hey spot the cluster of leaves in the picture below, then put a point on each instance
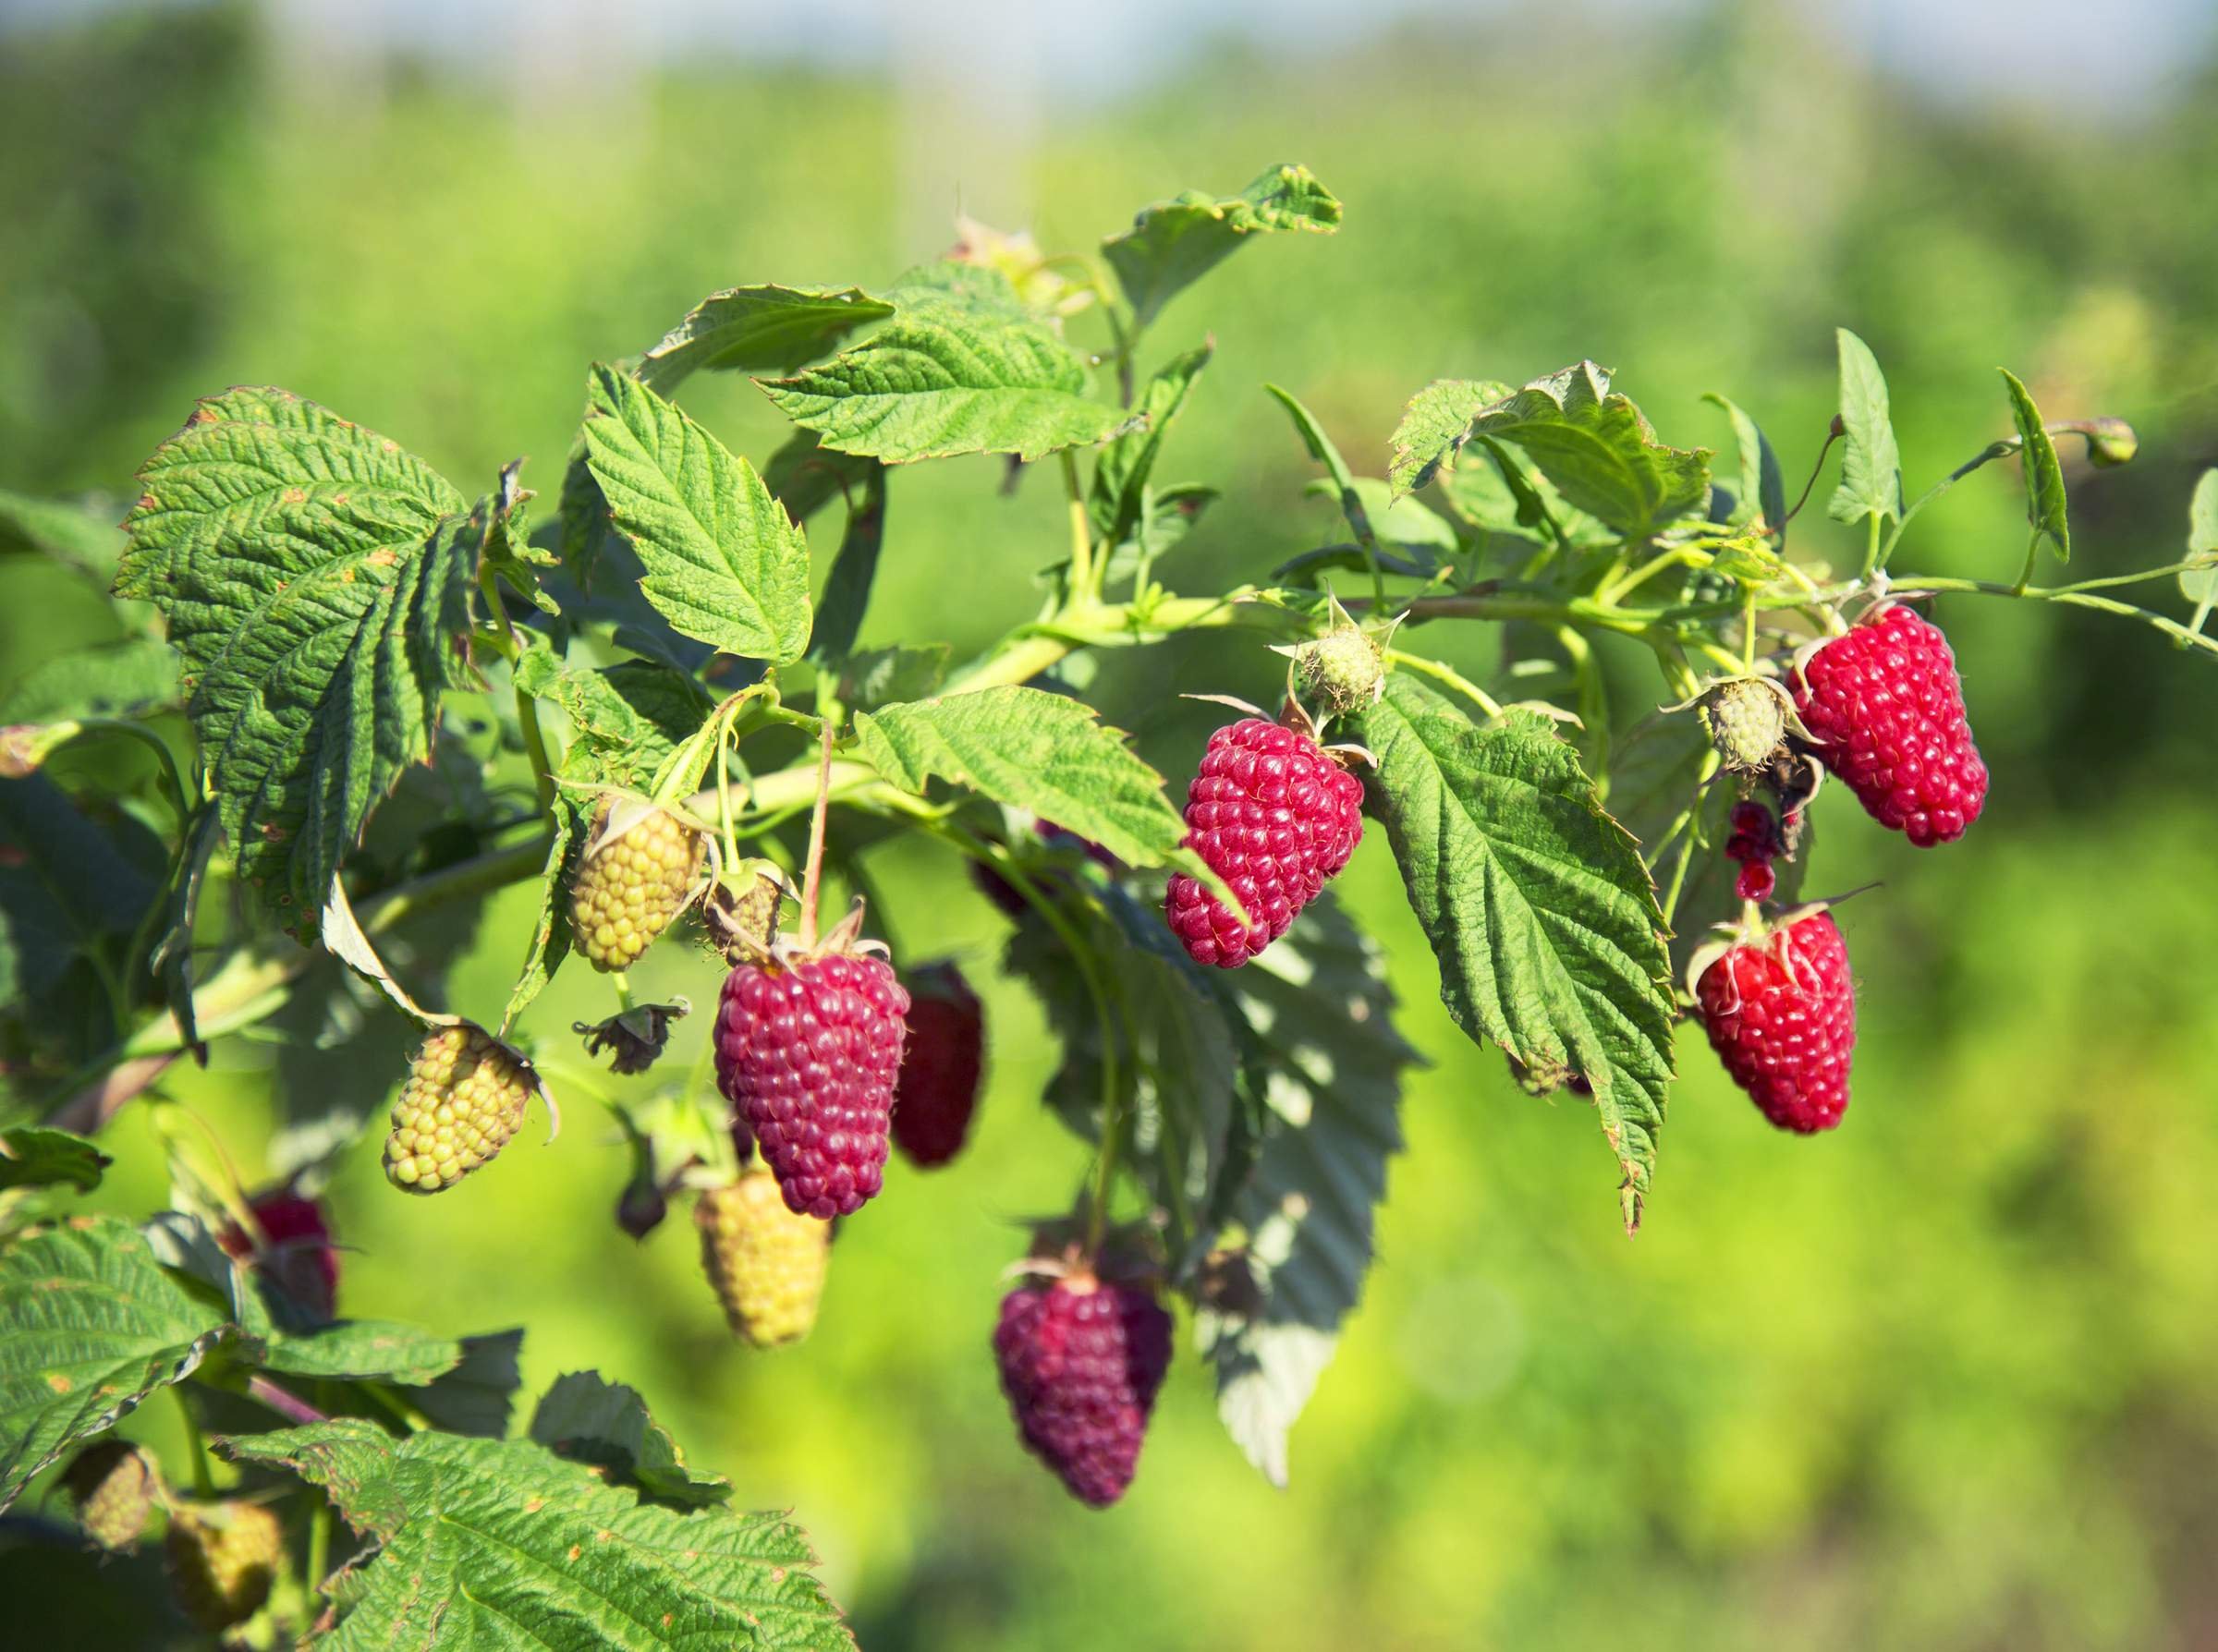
(329, 646)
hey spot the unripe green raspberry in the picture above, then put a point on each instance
(112, 1483)
(1746, 719)
(1345, 668)
(465, 1097)
(632, 883)
(2111, 442)
(766, 1263)
(223, 1558)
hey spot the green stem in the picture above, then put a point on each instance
(319, 1546)
(196, 1447)
(1994, 450)
(2070, 596)
(2025, 577)
(1448, 675)
(1085, 583)
(1694, 835)
(1872, 525)
(173, 783)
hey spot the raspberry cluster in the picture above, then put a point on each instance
(1886, 710)
(807, 1053)
(223, 1558)
(465, 1097)
(941, 1062)
(1276, 817)
(629, 887)
(1082, 1360)
(1757, 841)
(1780, 1010)
(766, 1264)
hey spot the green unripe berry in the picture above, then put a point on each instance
(465, 1097)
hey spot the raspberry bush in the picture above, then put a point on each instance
(367, 701)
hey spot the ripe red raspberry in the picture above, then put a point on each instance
(940, 1065)
(1886, 711)
(1756, 882)
(1273, 816)
(807, 1051)
(1781, 1013)
(297, 1255)
(1082, 1360)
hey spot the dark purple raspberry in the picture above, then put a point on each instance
(294, 1249)
(1273, 816)
(1082, 1360)
(807, 1053)
(1756, 882)
(1886, 711)
(940, 1065)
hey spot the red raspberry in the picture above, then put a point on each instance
(807, 1052)
(1082, 1360)
(1886, 710)
(298, 1258)
(941, 1064)
(1756, 882)
(1274, 817)
(1781, 1013)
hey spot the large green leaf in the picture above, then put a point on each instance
(31, 1156)
(1320, 1050)
(2046, 508)
(758, 330)
(590, 1419)
(1536, 903)
(316, 580)
(1121, 475)
(960, 369)
(1598, 450)
(361, 1350)
(627, 720)
(132, 679)
(1870, 482)
(724, 564)
(1032, 751)
(1435, 426)
(90, 1325)
(1501, 491)
(501, 1544)
(1175, 242)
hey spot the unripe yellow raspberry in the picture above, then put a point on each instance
(465, 1097)
(766, 1263)
(633, 881)
(223, 1558)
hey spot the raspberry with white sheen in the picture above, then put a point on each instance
(1082, 1361)
(465, 1097)
(1886, 710)
(765, 1263)
(1276, 817)
(1781, 1013)
(807, 1052)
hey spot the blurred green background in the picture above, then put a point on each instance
(1943, 1379)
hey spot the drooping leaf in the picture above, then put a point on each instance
(1173, 243)
(67, 889)
(477, 1395)
(724, 564)
(807, 476)
(550, 940)
(172, 960)
(879, 677)
(1536, 903)
(1762, 485)
(1871, 465)
(1167, 515)
(505, 544)
(1122, 473)
(1032, 751)
(316, 580)
(32, 1156)
(90, 1325)
(959, 369)
(758, 330)
(132, 679)
(1435, 426)
(854, 569)
(485, 1543)
(590, 1419)
(1598, 450)
(2199, 586)
(1320, 1049)
(2046, 506)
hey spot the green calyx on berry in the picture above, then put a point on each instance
(1342, 670)
(1748, 720)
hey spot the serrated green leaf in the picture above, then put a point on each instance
(590, 1419)
(90, 1325)
(758, 330)
(1435, 424)
(879, 677)
(477, 1395)
(2199, 586)
(724, 564)
(83, 541)
(2046, 509)
(807, 476)
(484, 1543)
(853, 570)
(627, 720)
(1122, 473)
(1032, 751)
(950, 374)
(1871, 465)
(1598, 450)
(1536, 903)
(316, 580)
(66, 891)
(1761, 483)
(361, 1351)
(1173, 243)
(1502, 492)
(1321, 1048)
(505, 550)
(133, 678)
(32, 1156)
